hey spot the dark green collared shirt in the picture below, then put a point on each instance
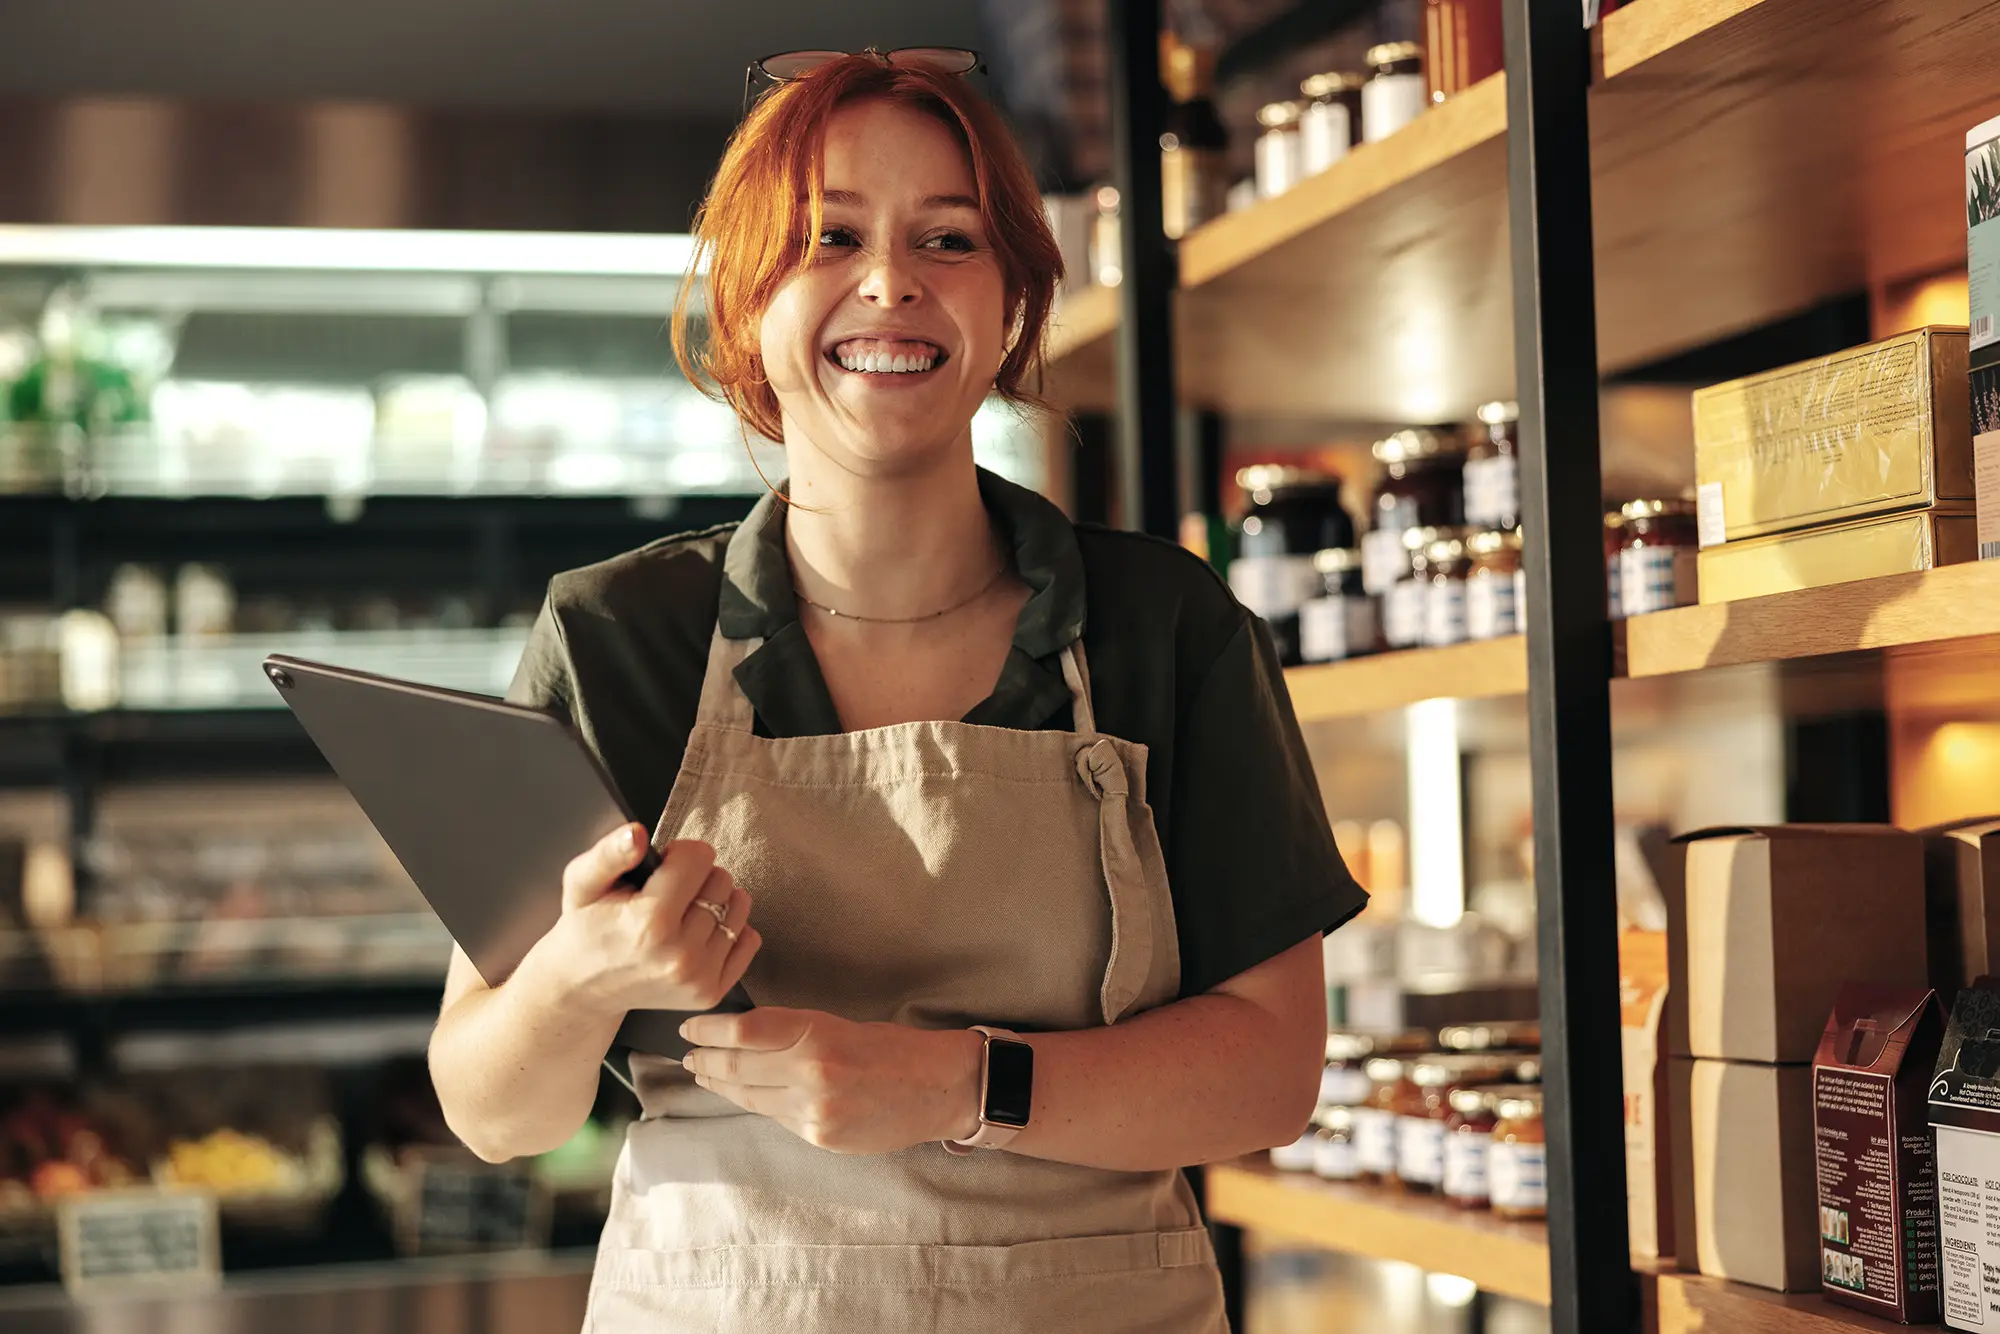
(1175, 663)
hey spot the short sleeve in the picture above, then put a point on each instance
(1250, 854)
(543, 679)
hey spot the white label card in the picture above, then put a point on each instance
(122, 1241)
(1711, 527)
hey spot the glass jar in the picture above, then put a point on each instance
(1463, 44)
(1423, 481)
(1614, 543)
(1340, 622)
(1492, 584)
(1513, 1035)
(1446, 566)
(1294, 514)
(1331, 121)
(1424, 1110)
(1280, 149)
(1517, 1163)
(1493, 468)
(1375, 1120)
(1344, 1081)
(1396, 92)
(1656, 559)
(1468, 1135)
(1406, 601)
(1334, 1157)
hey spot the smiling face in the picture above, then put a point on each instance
(883, 346)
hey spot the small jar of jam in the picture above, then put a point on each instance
(1492, 579)
(1614, 545)
(1331, 122)
(1333, 1147)
(1425, 1110)
(1468, 1134)
(1446, 567)
(1493, 468)
(1517, 1163)
(1375, 1120)
(1656, 558)
(1294, 514)
(1340, 623)
(1280, 153)
(1423, 481)
(1396, 92)
(1344, 1081)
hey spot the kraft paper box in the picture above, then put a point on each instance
(1962, 902)
(1867, 549)
(1878, 1228)
(1965, 1125)
(1772, 920)
(1868, 431)
(1744, 1185)
(1642, 998)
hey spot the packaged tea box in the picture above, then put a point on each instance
(1878, 1228)
(1965, 1125)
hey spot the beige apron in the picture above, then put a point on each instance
(937, 874)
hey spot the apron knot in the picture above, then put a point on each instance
(1101, 770)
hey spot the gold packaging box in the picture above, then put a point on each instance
(1919, 540)
(1868, 431)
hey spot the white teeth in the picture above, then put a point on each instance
(899, 364)
(884, 363)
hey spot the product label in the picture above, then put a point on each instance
(1405, 612)
(1969, 1223)
(1654, 579)
(1335, 1159)
(1490, 601)
(1982, 240)
(1864, 1230)
(1711, 524)
(1391, 101)
(1331, 629)
(1444, 613)
(1986, 456)
(1420, 1150)
(1465, 1154)
(1341, 1086)
(1493, 492)
(1384, 560)
(1375, 1141)
(1324, 135)
(1273, 586)
(1517, 1175)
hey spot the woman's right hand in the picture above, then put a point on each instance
(659, 947)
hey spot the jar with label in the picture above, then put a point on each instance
(1396, 92)
(1444, 603)
(1331, 121)
(1656, 558)
(1406, 601)
(1517, 1163)
(1294, 514)
(1492, 584)
(1375, 1120)
(1614, 542)
(1493, 468)
(1423, 480)
(1424, 1110)
(1334, 1157)
(1340, 622)
(1344, 1081)
(1463, 44)
(1280, 149)
(1468, 1135)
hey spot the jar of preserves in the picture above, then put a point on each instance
(1423, 481)
(1614, 542)
(1492, 584)
(1656, 558)
(1294, 514)
(1446, 566)
(1493, 468)
(1468, 1134)
(1396, 92)
(1406, 601)
(1462, 44)
(1344, 1081)
(1517, 1163)
(1340, 622)
(1331, 121)
(1280, 150)
(1333, 1146)
(1375, 1120)
(1425, 1108)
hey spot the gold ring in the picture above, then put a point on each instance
(715, 910)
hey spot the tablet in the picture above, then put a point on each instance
(484, 803)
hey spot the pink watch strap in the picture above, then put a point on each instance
(990, 1135)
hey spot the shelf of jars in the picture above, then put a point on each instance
(1750, 162)
(1381, 1222)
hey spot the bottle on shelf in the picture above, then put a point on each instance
(1396, 92)
(1331, 122)
(1194, 149)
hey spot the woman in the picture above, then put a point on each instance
(1039, 866)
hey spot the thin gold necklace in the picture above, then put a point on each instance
(960, 605)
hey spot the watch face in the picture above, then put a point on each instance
(1010, 1082)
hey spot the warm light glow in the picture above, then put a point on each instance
(373, 251)
(1450, 1289)
(1437, 812)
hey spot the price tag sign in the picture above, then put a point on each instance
(139, 1240)
(461, 1206)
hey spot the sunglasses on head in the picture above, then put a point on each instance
(789, 65)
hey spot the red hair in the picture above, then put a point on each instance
(760, 223)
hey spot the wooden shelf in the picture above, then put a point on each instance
(1511, 1259)
(1486, 669)
(1751, 158)
(1694, 1304)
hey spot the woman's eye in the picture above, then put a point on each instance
(837, 237)
(957, 242)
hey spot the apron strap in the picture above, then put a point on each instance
(723, 704)
(1102, 770)
(1076, 674)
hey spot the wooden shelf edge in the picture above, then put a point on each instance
(1631, 36)
(1483, 669)
(1511, 1259)
(1697, 1304)
(1084, 315)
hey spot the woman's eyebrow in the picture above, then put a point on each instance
(849, 199)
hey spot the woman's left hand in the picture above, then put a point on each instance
(844, 1086)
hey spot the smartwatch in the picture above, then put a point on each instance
(1006, 1091)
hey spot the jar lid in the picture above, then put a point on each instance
(1468, 1102)
(1414, 443)
(1384, 1069)
(1107, 198)
(1653, 509)
(1393, 53)
(1262, 479)
(1499, 414)
(1336, 560)
(1517, 1104)
(1614, 519)
(1444, 549)
(1332, 84)
(1489, 540)
(1278, 115)
(1422, 539)
(1525, 1034)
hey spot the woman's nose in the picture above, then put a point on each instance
(890, 282)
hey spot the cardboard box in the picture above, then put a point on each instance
(1642, 997)
(1982, 234)
(1962, 903)
(1770, 923)
(1985, 407)
(1878, 1229)
(1868, 431)
(1965, 1123)
(1744, 1186)
(1919, 540)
